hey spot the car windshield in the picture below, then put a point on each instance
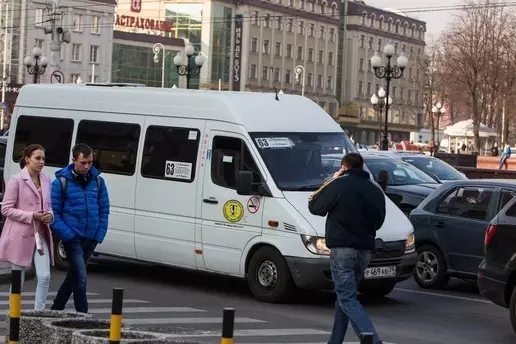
(302, 161)
(435, 167)
(400, 172)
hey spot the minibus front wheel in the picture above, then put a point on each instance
(268, 276)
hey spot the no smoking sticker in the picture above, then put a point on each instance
(253, 204)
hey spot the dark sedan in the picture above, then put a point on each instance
(434, 167)
(449, 228)
(407, 185)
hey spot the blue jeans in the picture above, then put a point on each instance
(78, 253)
(347, 268)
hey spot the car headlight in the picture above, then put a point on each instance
(410, 244)
(316, 245)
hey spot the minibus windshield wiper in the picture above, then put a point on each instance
(302, 188)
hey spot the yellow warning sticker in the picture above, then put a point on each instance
(233, 210)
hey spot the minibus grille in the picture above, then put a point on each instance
(390, 249)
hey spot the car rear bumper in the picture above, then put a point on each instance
(491, 287)
(315, 274)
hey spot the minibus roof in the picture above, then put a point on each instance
(257, 112)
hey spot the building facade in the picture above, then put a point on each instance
(367, 30)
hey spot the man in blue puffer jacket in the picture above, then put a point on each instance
(81, 208)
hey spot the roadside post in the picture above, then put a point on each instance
(15, 307)
(115, 330)
(228, 325)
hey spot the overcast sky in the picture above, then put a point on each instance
(435, 21)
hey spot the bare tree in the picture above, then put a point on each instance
(473, 48)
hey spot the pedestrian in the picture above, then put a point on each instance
(355, 207)
(27, 209)
(81, 209)
(505, 155)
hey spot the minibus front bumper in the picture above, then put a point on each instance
(315, 274)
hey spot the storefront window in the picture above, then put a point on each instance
(221, 44)
(134, 64)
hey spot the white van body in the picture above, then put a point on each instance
(263, 237)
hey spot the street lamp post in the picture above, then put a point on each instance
(437, 110)
(36, 63)
(187, 69)
(388, 72)
(156, 49)
(298, 70)
(379, 104)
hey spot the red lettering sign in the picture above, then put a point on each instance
(144, 23)
(136, 6)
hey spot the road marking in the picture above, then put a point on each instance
(31, 293)
(126, 310)
(262, 332)
(92, 301)
(443, 295)
(162, 321)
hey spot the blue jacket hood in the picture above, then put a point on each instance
(67, 172)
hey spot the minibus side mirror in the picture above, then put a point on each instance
(244, 182)
(383, 179)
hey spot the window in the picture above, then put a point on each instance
(319, 80)
(310, 54)
(278, 23)
(77, 23)
(55, 134)
(170, 153)
(362, 41)
(94, 54)
(290, 25)
(266, 46)
(74, 77)
(255, 18)
(301, 28)
(299, 53)
(230, 156)
(330, 58)
(320, 57)
(38, 43)
(38, 21)
(312, 30)
(289, 51)
(511, 211)
(287, 76)
(332, 35)
(370, 42)
(114, 144)
(309, 79)
(267, 20)
(468, 202)
(360, 88)
(265, 71)
(276, 74)
(329, 82)
(361, 65)
(277, 52)
(253, 71)
(505, 196)
(76, 52)
(254, 44)
(95, 24)
(369, 89)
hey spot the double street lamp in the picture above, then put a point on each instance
(191, 68)
(388, 72)
(379, 104)
(36, 63)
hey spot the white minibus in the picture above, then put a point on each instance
(208, 180)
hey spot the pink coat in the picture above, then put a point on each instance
(21, 199)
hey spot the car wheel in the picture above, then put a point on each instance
(269, 276)
(377, 289)
(512, 308)
(60, 255)
(430, 270)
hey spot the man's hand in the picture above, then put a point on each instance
(339, 172)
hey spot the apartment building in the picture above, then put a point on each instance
(284, 34)
(367, 30)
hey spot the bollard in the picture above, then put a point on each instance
(366, 338)
(228, 324)
(115, 330)
(15, 307)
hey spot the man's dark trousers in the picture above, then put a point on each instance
(78, 253)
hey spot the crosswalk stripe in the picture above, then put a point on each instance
(164, 321)
(146, 310)
(92, 301)
(267, 332)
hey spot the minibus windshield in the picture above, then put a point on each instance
(302, 161)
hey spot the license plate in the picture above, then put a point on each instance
(380, 272)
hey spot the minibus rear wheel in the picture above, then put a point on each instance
(269, 277)
(59, 254)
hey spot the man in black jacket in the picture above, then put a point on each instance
(356, 210)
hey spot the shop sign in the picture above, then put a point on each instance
(237, 53)
(144, 23)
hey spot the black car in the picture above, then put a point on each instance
(407, 186)
(449, 228)
(497, 271)
(433, 166)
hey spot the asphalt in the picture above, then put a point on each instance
(190, 305)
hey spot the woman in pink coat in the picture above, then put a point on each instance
(26, 206)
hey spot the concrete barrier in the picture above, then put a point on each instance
(127, 336)
(32, 324)
(60, 331)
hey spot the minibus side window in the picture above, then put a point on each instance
(231, 155)
(170, 153)
(54, 134)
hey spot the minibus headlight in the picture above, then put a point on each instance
(316, 245)
(410, 244)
